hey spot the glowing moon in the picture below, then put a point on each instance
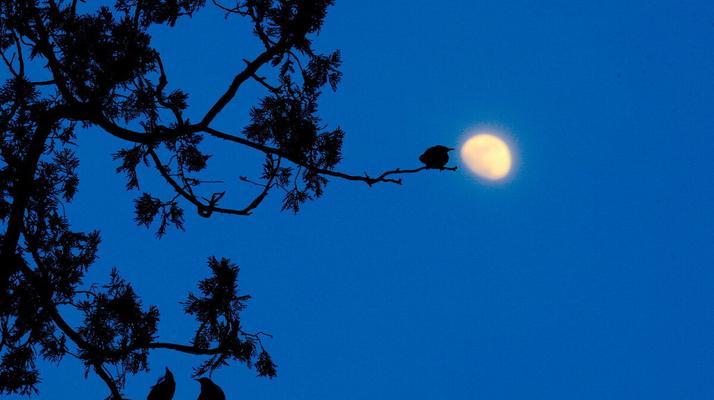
(488, 156)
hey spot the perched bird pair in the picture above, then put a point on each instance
(436, 157)
(166, 386)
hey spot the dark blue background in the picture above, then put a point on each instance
(588, 275)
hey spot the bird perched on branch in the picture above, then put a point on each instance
(164, 388)
(436, 157)
(210, 391)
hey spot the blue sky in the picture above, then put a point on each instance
(588, 275)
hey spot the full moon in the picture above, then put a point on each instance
(488, 156)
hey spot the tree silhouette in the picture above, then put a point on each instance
(105, 75)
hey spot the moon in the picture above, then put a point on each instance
(488, 156)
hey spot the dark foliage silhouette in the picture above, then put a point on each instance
(164, 388)
(106, 76)
(210, 391)
(436, 157)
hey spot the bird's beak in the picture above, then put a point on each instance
(450, 148)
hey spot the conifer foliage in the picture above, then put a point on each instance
(101, 73)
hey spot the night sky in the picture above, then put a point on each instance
(585, 275)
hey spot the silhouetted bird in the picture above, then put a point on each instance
(164, 388)
(210, 391)
(436, 157)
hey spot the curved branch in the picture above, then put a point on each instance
(127, 134)
(116, 394)
(206, 209)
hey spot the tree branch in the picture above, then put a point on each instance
(43, 45)
(21, 196)
(116, 394)
(186, 349)
(369, 180)
(205, 210)
(243, 76)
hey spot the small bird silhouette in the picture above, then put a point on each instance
(164, 388)
(436, 157)
(210, 391)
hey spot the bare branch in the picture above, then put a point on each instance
(105, 123)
